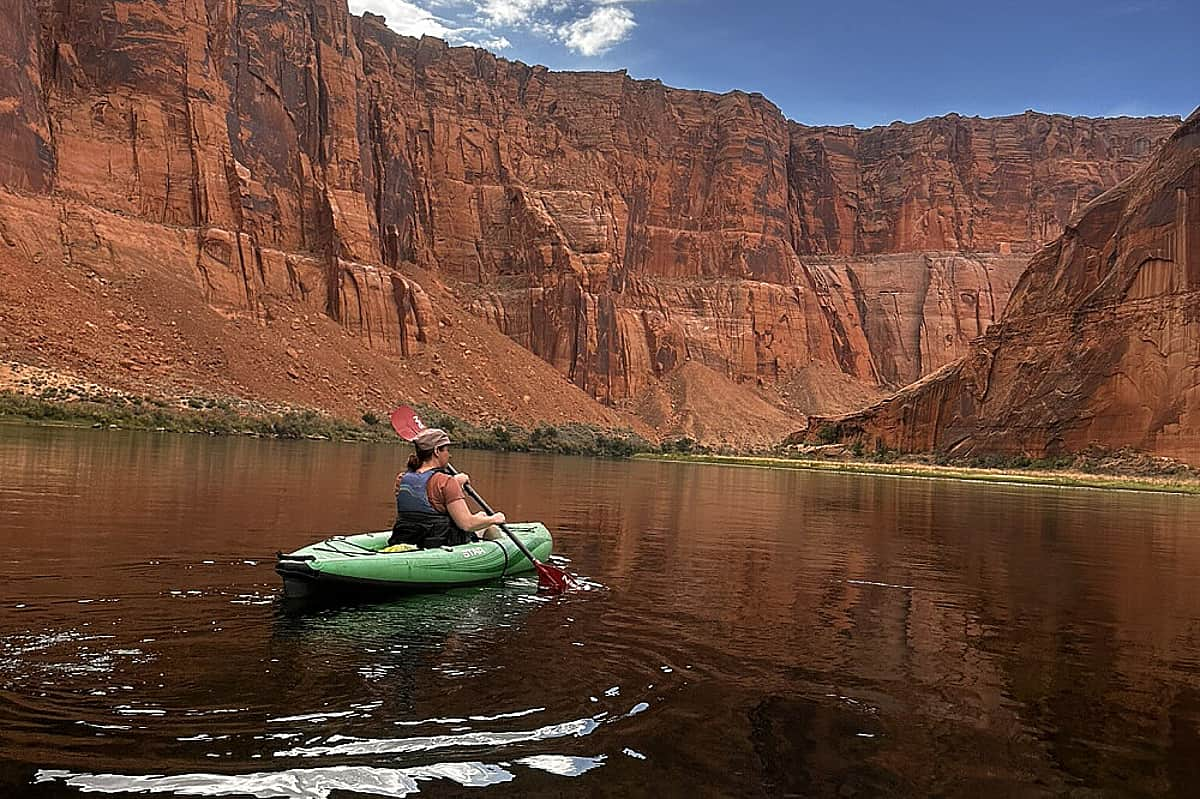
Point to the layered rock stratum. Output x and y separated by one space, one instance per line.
1100 343
298 204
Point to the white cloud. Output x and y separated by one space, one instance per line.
588 27
599 31
498 43
406 18
511 12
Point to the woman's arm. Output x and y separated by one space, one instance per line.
471 522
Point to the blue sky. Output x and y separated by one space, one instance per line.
863 63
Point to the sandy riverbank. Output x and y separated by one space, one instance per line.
1182 484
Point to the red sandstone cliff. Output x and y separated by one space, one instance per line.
1100 343
620 228
275 161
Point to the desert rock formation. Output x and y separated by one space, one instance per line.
1100 343
271 162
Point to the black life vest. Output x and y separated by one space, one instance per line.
417 522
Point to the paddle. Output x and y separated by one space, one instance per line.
551 579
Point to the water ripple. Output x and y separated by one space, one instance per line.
343 746
316 783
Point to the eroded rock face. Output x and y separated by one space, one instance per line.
957 183
883 320
27 155
619 229
238 128
1099 344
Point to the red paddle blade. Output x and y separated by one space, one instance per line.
552 580
406 423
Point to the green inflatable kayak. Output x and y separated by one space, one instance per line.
356 563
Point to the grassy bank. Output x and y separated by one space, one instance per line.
223 417
1179 484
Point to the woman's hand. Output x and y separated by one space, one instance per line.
462 478
497 518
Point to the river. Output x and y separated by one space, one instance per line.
743 632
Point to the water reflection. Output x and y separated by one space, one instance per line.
752 632
429 636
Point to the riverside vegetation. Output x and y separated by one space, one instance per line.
216 416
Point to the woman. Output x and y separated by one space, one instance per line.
431 508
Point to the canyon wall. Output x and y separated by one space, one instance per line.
619 228
267 152
1100 343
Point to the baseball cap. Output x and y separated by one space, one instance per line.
431 438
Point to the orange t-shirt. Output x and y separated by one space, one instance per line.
441 490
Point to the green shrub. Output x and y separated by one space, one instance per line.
829 434
502 436
883 453
544 437
1053 463
682 445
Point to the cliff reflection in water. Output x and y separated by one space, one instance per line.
1049 630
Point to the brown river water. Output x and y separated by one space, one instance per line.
743 632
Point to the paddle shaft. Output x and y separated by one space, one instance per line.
488 510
